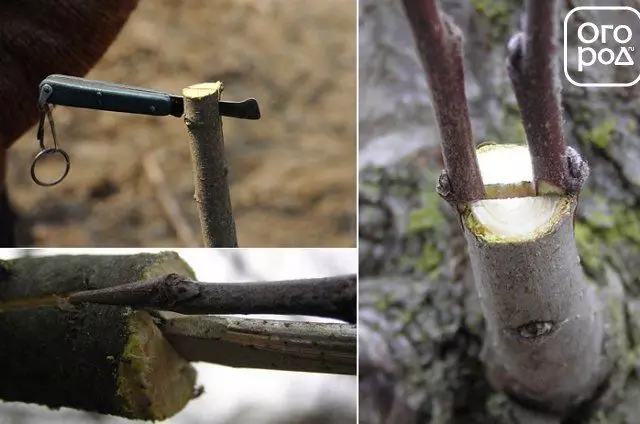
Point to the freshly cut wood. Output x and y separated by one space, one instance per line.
545 338
105 359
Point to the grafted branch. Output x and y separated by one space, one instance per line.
546 324
137 360
439 43
330 297
533 72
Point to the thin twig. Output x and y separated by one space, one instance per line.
533 73
168 203
268 344
439 43
330 297
204 123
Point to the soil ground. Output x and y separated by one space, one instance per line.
292 174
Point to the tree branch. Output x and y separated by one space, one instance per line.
53 342
204 123
48 354
331 297
439 43
533 72
258 343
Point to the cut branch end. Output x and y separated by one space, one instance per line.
203 90
204 124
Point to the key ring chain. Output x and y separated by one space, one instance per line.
49 151
45 112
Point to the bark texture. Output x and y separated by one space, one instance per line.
532 67
421 330
544 323
210 169
105 359
267 344
328 297
439 44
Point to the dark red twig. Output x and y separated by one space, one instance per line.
533 73
439 43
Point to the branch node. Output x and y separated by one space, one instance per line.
439 43
443 187
578 170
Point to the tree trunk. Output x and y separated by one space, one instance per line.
106 359
422 330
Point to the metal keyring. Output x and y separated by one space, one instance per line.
45 152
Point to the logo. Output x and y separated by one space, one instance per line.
605 43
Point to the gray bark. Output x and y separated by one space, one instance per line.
267 344
544 323
421 325
210 169
327 297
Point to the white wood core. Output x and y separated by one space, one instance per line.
515 217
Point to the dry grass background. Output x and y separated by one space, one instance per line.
293 173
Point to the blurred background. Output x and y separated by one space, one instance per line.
234 395
292 173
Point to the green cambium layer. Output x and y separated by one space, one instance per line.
597 235
562 211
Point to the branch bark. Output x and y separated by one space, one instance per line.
239 342
48 354
258 343
533 72
330 297
204 124
439 43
